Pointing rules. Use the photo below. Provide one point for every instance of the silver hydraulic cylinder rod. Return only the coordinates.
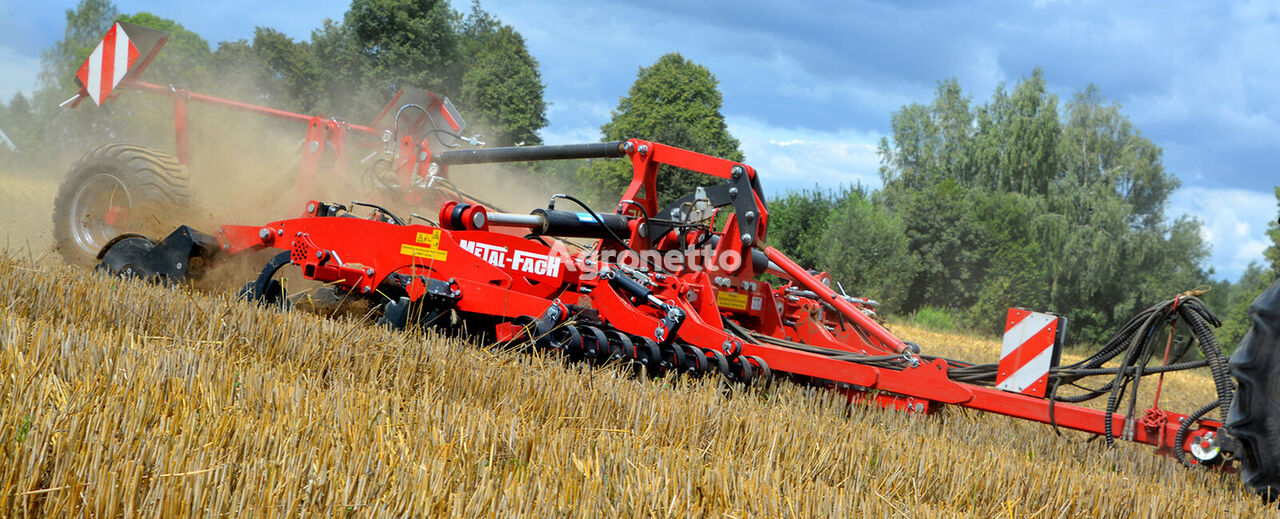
(515, 220)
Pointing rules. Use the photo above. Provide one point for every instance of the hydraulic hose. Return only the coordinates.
(1181, 436)
(1213, 353)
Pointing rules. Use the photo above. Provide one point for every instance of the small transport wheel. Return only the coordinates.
(1254, 418)
(116, 189)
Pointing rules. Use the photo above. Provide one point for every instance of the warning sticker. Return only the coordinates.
(732, 300)
(431, 239)
(430, 253)
(430, 249)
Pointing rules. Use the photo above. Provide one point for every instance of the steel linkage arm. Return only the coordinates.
(170, 90)
(801, 276)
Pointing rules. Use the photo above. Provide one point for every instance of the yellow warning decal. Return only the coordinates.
(431, 240)
(431, 250)
(731, 300)
(430, 253)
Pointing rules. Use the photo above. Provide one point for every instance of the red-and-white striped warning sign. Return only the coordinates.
(108, 64)
(1030, 344)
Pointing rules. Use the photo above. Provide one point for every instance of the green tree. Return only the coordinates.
(277, 70)
(1016, 141)
(1101, 148)
(944, 236)
(1015, 202)
(18, 120)
(344, 87)
(675, 102)
(184, 61)
(865, 249)
(1235, 317)
(930, 143)
(1012, 258)
(1273, 231)
(503, 87)
(928, 171)
(406, 43)
(796, 223)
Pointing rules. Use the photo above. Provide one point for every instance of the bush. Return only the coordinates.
(933, 318)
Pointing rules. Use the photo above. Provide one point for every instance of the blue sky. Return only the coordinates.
(809, 86)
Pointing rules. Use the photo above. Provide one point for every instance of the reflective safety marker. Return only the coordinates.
(108, 64)
(1032, 344)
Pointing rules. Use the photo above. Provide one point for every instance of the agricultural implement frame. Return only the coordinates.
(446, 267)
(717, 312)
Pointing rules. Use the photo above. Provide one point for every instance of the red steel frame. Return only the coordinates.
(376, 248)
(322, 133)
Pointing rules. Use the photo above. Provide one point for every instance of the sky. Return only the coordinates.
(809, 86)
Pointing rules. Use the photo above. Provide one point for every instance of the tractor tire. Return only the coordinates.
(116, 189)
(1254, 418)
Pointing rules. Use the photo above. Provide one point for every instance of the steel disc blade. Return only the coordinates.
(118, 256)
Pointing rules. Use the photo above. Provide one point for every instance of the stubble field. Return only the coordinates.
(123, 399)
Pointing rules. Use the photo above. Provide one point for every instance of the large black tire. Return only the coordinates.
(1254, 418)
(152, 187)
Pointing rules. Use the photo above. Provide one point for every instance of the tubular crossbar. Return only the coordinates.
(595, 150)
(234, 105)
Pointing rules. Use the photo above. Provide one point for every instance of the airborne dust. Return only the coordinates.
(244, 169)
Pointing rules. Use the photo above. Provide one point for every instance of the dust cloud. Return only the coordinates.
(244, 169)
(26, 215)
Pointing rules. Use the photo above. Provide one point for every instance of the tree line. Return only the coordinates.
(1023, 199)
(1018, 201)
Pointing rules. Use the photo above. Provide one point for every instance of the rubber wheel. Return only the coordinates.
(1254, 418)
(116, 189)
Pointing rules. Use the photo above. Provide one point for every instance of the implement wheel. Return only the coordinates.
(1254, 419)
(116, 189)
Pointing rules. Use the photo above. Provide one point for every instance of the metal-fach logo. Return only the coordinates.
(492, 254)
(518, 260)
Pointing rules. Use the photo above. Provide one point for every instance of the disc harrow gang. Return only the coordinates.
(600, 345)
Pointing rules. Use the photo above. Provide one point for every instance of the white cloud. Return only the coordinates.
(576, 135)
(1235, 223)
(17, 73)
(572, 108)
(799, 158)
(786, 158)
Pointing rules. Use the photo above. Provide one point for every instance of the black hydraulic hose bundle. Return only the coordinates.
(1139, 340)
